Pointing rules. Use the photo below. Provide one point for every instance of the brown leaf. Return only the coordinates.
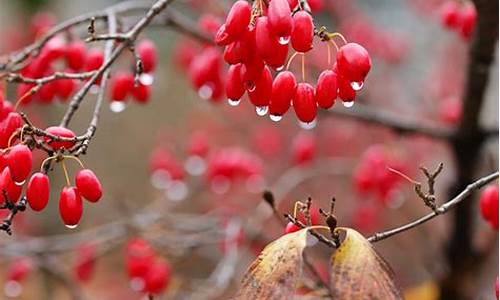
(277, 270)
(358, 272)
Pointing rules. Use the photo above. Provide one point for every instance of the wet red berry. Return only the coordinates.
(280, 20)
(60, 132)
(270, 50)
(76, 53)
(303, 32)
(234, 85)
(488, 203)
(147, 52)
(326, 89)
(157, 278)
(260, 94)
(304, 104)
(88, 185)
(70, 206)
(37, 192)
(238, 18)
(20, 160)
(8, 185)
(353, 62)
(283, 90)
(121, 85)
(141, 93)
(8, 126)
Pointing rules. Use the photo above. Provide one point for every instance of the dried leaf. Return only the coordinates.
(277, 270)
(358, 272)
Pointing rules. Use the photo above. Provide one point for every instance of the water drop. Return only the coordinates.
(20, 183)
(146, 79)
(357, 85)
(195, 165)
(71, 226)
(279, 69)
(117, 106)
(220, 185)
(233, 102)
(275, 118)
(177, 191)
(161, 179)
(284, 40)
(348, 104)
(12, 289)
(309, 125)
(262, 110)
(137, 284)
(205, 91)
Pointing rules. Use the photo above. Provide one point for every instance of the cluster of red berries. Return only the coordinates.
(254, 43)
(373, 176)
(75, 58)
(459, 16)
(123, 84)
(148, 273)
(488, 203)
(16, 163)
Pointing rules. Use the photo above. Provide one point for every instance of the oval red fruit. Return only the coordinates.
(60, 132)
(20, 160)
(121, 85)
(259, 94)
(88, 185)
(234, 85)
(238, 18)
(303, 32)
(326, 89)
(141, 93)
(70, 206)
(8, 185)
(283, 90)
(353, 62)
(37, 192)
(158, 278)
(147, 52)
(488, 203)
(76, 53)
(304, 104)
(280, 19)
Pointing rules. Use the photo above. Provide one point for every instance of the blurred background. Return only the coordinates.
(158, 161)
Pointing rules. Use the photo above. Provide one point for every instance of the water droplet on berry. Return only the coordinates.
(284, 40)
(177, 191)
(195, 165)
(220, 185)
(309, 125)
(275, 118)
(279, 69)
(161, 179)
(71, 226)
(137, 284)
(348, 104)
(357, 85)
(146, 79)
(233, 102)
(20, 183)
(262, 110)
(205, 91)
(117, 106)
(12, 289)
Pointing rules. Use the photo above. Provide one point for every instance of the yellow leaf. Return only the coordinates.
(427, 290)
(277, 270)
(358, 272)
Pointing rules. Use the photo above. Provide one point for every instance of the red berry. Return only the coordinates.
(488, 203)
(326, 89)
(70, 206)
(37, 192)
(270, 50)
(139, 256)
(304, 104)
(76, 53)
(88, 185)
(234, 85)
(60, 132)
(19, 269)
(222, 37)
(238, 18)
(95, 59)
(9, 186)
(346, 92)
(20, 161)
(450, 14)
(8, 126)
(64, 88)
(280, 19)
(259, 95)
(468, 18)
(252, 70)
(303, 32)
(147, 52)
(353, 62)
(157, 278)
(141, 93)
(290, 227)
(283, 90)
(47, 93)
(121, 85)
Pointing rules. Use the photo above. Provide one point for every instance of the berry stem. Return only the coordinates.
(75, 158)
(332, 35)
(291, 59)
(45, 161)
(65, 172)
(303, 68)
(31, 92)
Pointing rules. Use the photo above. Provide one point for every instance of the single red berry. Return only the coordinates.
(222, 37)
(326, 89)
(141, 93)
(20, 160)
(8, 185)
(8, 126)
(303, 32)
(346, 92)
(47, 93)
(488, 203)
(70, 206)
(283, 90)
(238, 18)
(270, 50)
(259, 95)
(139, 256)
(280, 20)
(234, 85)
(450, 14)
(290, 227)
(19, 269)
(88, 185)
(468, 20)
(76, 54)
(158, 278)
(64, 88)
(95, 59)
(304, 104)
(147, 52)
(353, 62)
(121, 85)
(60, 132)
(37, 192)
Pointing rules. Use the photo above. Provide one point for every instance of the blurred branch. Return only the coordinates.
(438, 211)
